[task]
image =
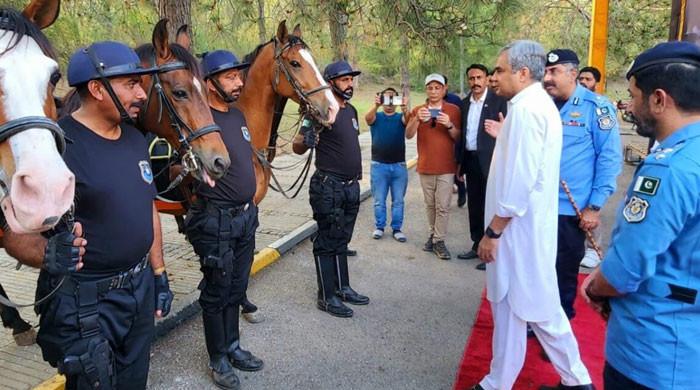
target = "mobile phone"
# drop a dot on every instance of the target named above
(434, 112)
(389, 100)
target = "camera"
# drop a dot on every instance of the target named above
(434, 112)
(389, 100)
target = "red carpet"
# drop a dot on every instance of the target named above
(589, 329)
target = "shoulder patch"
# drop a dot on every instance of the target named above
(246, 133)
(647, 185)
(355, 125)
(636, 210)
(606, 121)
(146, 172)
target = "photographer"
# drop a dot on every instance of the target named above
(438, 125)
(388, 169)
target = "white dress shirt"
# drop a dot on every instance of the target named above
(473, 117)
(523, 184)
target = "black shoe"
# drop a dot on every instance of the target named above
(467, 255)
(481, 266)
(350, 252)
(245, 360)
(428, 247)
(564, 387)
(461, 200)
(347, 294)
(226, 380)
(335, 307)
(441, 251)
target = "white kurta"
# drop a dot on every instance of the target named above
(523, 184)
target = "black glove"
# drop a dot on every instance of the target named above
(307, 130)
(61, 257)
(164, 297)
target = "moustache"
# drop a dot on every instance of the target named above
(548, 84)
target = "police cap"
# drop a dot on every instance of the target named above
(220, 60)
(104, 59)
(339, 69)
(561, 56)
(666, 53)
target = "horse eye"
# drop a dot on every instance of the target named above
(55, 77)
(179, 94)
(295, 63)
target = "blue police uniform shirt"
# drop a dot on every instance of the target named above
(388, 138)
(591, 153)
(114, 195)
(238, 185)
(653, 334)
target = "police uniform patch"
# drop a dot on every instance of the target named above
(246, 133)
(552, 57)
(146, 173)
(355, 124)
(636, 210)
(647, 185)
(606, 122)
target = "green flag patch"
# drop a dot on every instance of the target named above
(647, 185)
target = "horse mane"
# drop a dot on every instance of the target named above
(12, 21)
(147, 52)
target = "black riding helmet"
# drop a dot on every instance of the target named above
(218, 61)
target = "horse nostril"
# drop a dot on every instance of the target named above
(220, 165)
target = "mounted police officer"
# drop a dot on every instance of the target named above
(334, 192)
(651, 272)
(221, 226)
(591, 159)
(107, 266)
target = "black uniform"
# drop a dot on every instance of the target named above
(221, 227)
(334, 195)
(99, 325)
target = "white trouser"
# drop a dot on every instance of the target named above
(510, 341)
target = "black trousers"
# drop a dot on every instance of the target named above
(224, 239)
(335, 203)
(476, 196)
(9, 315)
(126, 321)
(571, 246)
(615, 380)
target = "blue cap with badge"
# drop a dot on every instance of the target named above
(561, 56)
(666, 53)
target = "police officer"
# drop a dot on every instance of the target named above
(97, 329)
(590, 162)
(652, 270)
(334, 192)
(221, 226)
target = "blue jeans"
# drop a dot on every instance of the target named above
(385, 177)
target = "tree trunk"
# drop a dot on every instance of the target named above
(178, 13)
(338, 23)
(405, 75)
(262, 34)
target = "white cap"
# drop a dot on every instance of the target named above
(435, 77)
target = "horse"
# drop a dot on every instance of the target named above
(37, 188)
(283, 68)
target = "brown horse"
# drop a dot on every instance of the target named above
(36, 188)
(281, 68)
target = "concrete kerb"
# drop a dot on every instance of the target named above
(264, 258)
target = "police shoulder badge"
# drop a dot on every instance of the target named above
(635, 210)
(647, 185)
(146, 173)
(355, 124)
(606, 122)
(246, 133)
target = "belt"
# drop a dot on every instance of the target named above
(325, 175)
(230, 208)
(111, 283)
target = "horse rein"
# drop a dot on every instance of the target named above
(186, 137)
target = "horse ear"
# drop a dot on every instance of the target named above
(282, 32)
(42, 12)
(297, 31)
(183, 38)
(161, 42)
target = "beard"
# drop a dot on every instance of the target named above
(646, 127)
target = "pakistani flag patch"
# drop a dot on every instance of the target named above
(647, 185)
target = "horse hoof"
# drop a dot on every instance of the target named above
(25, 338)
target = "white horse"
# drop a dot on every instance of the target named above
(36, 187)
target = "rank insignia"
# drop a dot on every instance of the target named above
(647, 185)
(246, 133)
(636, 210)
(606, 122)
(604, 110)
(146, 173)
(575, 114)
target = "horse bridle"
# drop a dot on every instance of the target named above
(298, 89)
(186, 137)
(16, 126)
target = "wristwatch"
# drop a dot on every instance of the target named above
(491, 234)
(594, 207)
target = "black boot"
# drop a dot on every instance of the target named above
(345, 292)
(215, 338)
(326, 278)
(239, 358)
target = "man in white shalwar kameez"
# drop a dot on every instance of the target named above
(520, 244)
